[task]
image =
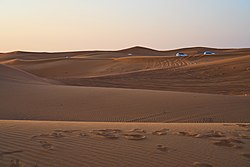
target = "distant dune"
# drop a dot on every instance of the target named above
(160, 87)
(89, 108)
(226, 72)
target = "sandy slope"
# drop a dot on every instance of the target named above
(13, 75)
(25, 97)
(28, 91)
(68, 144)
(42, 86)
(223, 76)
(227, 72)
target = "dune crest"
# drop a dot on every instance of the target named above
(67, 85)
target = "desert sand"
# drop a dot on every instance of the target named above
(124, 144)
(131, 107)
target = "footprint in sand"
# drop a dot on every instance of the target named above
(230, 142)
(224, 143)
(247, 155)
(16, 163)
(41, 135)
(211, 133)
(184, 133)
(66, 131)
(244, 136)
(57, 135)
(241, 135)
(137, 130)
(134, 136)
(10, 152)
(107, 133)
(235, 141)
(82, 134)
(46, 145)
(160, 132)
(245, 126)
(200, 164)
(237, 147)
(162, 148)
(51, 135)
(228, 124)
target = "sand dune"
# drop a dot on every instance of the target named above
(86, 67)
(13, 75)
(226, 76)
(66, 86)
(184, 101)
(74, 144)
(24, 97)
(226, 72)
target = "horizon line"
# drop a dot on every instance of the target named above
(121, 49)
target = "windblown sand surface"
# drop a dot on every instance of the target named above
(184, 100)
(69, 144)
(160, 87)
(226, 72)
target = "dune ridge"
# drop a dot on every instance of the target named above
(136, 88)
(227, 76)
(226, 72)
(130, 107)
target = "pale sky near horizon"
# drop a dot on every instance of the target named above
(64, 25)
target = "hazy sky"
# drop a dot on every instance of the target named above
(60, 25)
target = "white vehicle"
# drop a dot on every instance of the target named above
(181, 54)
(208, 53)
